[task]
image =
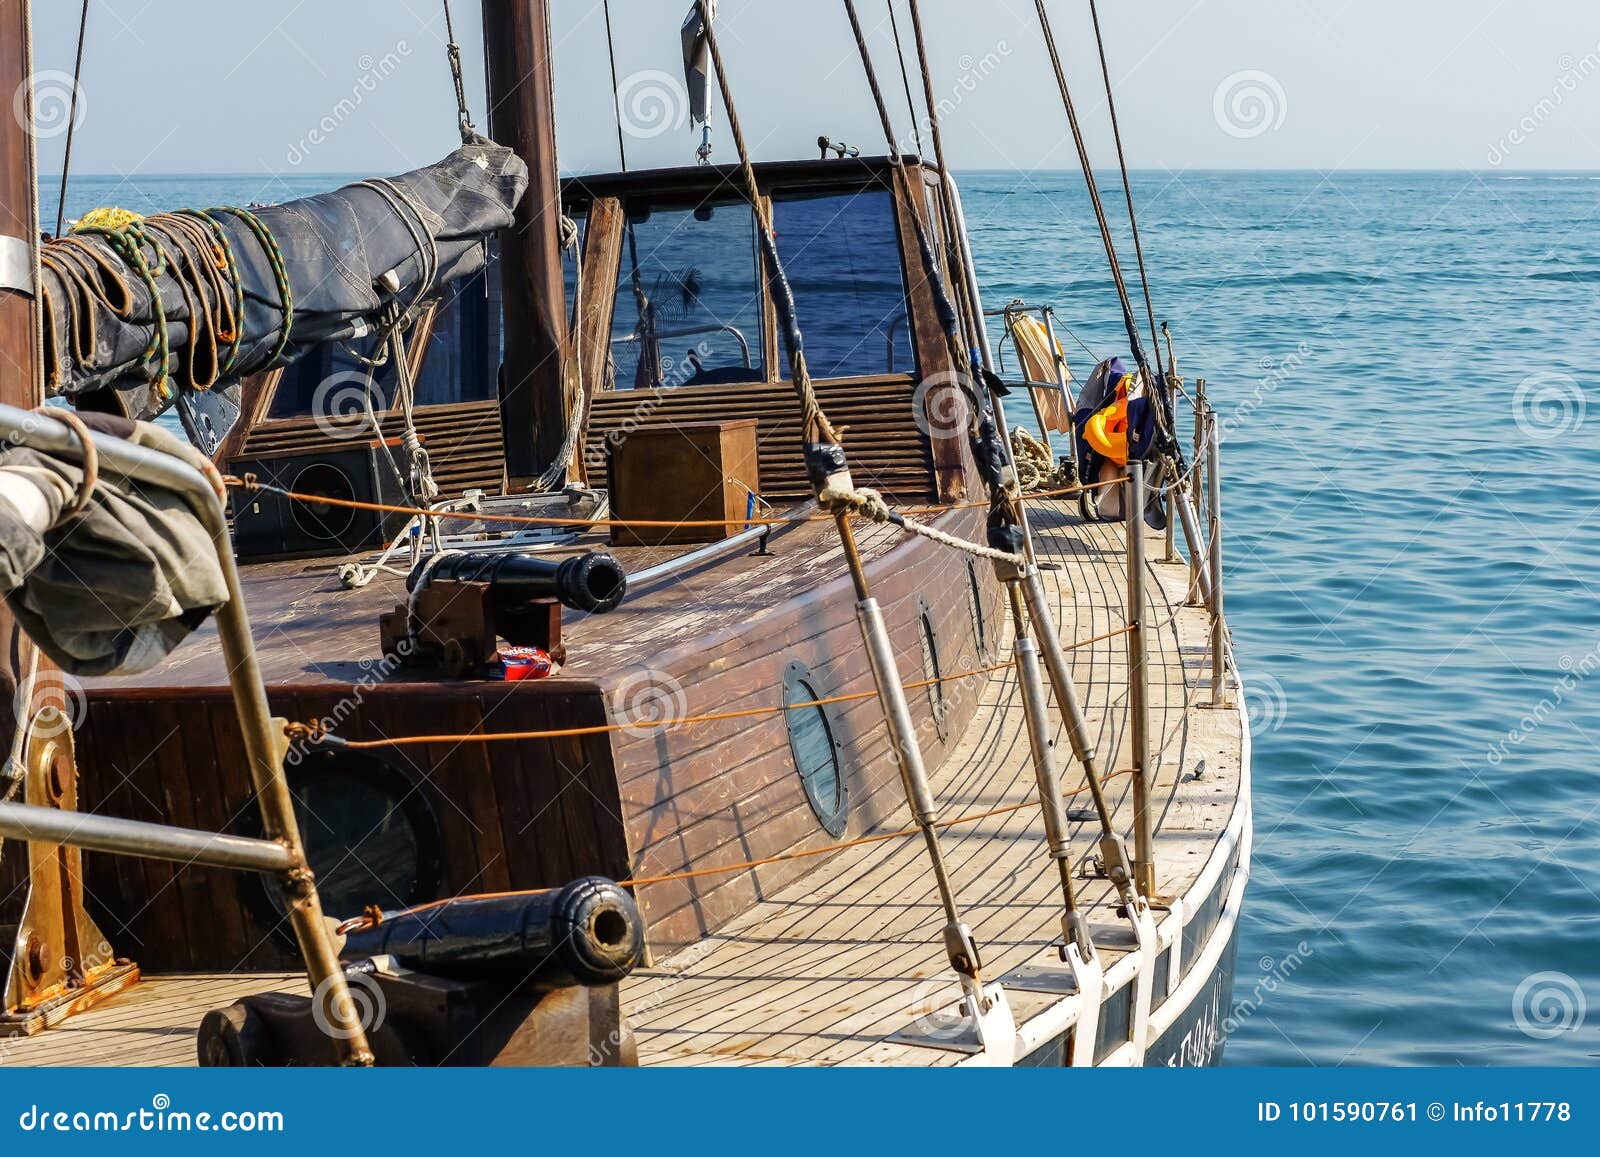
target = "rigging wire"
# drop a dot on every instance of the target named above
(469, 131)
(1106, 238)
(616, 92)
(905, 78)
(1127, 188)
(72, 119)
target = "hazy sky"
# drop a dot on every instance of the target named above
(174, 86)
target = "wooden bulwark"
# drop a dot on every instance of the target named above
(463, 443)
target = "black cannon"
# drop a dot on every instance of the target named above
(588, 933)
(594, 582)
(519, 980)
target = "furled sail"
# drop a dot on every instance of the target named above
(142, 313)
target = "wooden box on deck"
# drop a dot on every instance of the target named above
(687, 473)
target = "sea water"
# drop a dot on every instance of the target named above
(1406, 370)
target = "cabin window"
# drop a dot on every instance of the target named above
(466, 346)
(980, 631)
(689, 298)
(815, 750)
(841, 252)
(932, 672)
(462, 363)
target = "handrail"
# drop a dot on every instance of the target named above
(204, 493)
(636, 337)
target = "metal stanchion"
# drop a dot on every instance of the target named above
(1036, 712)
(1144, 866)
(1219, 625)
(1197, 493)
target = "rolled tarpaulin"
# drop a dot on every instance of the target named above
(221, 278)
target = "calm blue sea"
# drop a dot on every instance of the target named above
(1408, 366)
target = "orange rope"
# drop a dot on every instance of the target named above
(366, 921)
(306, 731)
(249, 482)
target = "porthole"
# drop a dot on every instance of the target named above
(932, 672)
(980, 629)
(816, 750)
(370, 835)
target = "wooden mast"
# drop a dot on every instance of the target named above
(533, 405)
(21, 377)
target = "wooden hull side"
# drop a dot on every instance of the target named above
(511, 815)
(729, 792)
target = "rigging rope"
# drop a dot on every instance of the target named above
(905, 77)
(616, 94)
(1106, 238)
(72, 119)
(1127, 189)
(818, 429)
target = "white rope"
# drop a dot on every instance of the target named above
(557, 471)
(872, 506)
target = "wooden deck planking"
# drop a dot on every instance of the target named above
(826, 969)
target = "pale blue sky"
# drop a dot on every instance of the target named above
(213, 86)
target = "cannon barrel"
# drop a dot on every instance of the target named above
(589, 933)
(593, 582)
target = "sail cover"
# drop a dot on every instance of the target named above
(345, 257)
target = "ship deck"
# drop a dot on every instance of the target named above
(827, 970)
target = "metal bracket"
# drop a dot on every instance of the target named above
(1091, 979)
(16, 265)
(980, 1025)
(62, 963)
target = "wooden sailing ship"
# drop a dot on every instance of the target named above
(826, 865)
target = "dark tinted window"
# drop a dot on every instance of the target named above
(842, 255)
(689, 298)
(463, 362)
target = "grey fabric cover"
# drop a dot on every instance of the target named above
(116, 589)
(335, 246)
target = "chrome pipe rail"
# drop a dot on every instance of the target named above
(146, 841)
(691, 331)
(1219, 624)
(1144, 863)
(265, 746)
(1197, 488)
